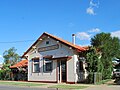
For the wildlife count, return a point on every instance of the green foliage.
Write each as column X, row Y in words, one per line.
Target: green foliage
column 93, row 60
column 109, row 47
column 5, row 72
column 10, row 56
column 2, row 74
column 94, row 64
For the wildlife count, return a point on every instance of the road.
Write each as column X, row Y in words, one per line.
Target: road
column 4, row 87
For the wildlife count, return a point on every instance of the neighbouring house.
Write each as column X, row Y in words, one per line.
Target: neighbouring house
column 116, row 68
column 20, row 71
column 52, row 59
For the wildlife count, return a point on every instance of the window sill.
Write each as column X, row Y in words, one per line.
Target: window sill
column 35, row 72
column 47, row 72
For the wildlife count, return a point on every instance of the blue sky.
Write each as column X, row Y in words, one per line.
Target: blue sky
column 22, row 20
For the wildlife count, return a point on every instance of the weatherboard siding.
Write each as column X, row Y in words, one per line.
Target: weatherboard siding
column 62, row 51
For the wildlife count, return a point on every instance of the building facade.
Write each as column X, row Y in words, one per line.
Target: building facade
column 52, row 59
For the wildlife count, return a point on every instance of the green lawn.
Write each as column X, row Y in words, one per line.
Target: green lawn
column 103, row 81
column 20, row 83
column 68, row 86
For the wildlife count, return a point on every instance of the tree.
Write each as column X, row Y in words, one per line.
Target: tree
column 94, row 64
column 10, row 56
column 5, row 72
column 110, row 48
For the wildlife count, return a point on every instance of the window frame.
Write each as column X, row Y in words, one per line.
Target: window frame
column 35, row 61
column 47, row 62
column 47, row 42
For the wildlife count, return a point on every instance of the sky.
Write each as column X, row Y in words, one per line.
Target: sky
column 23, row 21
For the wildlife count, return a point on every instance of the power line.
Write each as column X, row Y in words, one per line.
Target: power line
column 17, row 41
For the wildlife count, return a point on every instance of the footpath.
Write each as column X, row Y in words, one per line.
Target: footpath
column 107, row 86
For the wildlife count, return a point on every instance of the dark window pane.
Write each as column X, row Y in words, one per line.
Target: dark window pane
column 36, row 68
column 47, row 42
column 81, row 66
column 49, row 66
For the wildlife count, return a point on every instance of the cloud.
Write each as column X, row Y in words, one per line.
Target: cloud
column 1, row 56
column 1, row 59
column 83, row 36
column 91, row 9
column 94, row 30
column 94, row 4
column 116, row 34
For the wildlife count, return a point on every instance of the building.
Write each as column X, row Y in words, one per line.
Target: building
column 52, row 59
column 20, row 71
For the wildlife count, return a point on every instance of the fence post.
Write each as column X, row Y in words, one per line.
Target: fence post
column 94, row 75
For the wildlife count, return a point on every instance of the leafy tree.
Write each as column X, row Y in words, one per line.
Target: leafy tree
column 94, row 63
column 10, row 56
column 110, row 48
column 6, row 71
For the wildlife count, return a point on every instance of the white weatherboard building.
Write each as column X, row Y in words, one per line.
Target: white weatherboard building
column 52, row 59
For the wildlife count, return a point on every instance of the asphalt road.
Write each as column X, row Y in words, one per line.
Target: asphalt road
column 4, row 87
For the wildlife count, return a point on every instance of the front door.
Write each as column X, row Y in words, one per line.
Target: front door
column 63, row 71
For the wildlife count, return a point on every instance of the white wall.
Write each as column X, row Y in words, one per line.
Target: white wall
column 61, row 52
column 72, row 70
column 42, row 76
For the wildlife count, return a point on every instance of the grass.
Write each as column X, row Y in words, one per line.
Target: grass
column 20, row 83
column 103, row 81
column 68, row 86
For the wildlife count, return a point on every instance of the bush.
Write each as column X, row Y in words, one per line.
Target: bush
column 2, row 74
column 94, row 77
column 5, row 72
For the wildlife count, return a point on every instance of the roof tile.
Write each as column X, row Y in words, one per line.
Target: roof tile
column 78, row 48
column 23, row 63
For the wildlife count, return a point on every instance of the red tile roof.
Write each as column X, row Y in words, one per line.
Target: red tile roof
column 67, row 43
column 23, row 63
column 76, row 47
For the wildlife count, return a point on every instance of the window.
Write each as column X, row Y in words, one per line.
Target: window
column 81, row 65
column 47, row 42
column 47, row 65
column 36, row 65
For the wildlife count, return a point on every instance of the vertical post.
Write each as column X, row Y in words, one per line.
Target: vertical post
column 94, row 77
column 60, row 76
column 73, row 39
